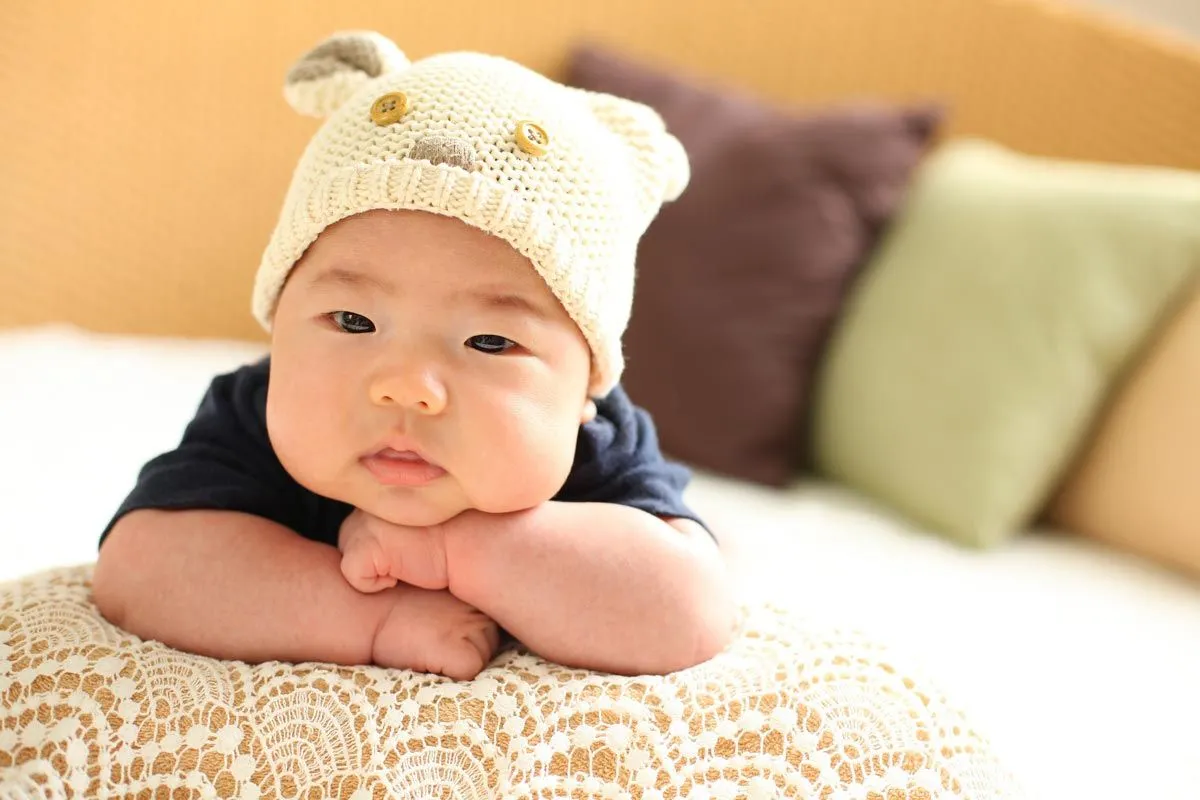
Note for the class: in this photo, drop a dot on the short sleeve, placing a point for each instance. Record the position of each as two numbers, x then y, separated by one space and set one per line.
225 462
617 460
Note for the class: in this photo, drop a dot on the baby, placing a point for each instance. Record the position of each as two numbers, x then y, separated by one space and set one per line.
437 449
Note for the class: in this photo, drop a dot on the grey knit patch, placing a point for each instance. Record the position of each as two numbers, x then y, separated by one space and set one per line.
444 150
350 53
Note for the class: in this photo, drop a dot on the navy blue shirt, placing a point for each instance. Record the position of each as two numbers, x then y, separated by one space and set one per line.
225 462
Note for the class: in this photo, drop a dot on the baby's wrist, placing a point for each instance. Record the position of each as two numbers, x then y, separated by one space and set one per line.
473 540
453 534
384 609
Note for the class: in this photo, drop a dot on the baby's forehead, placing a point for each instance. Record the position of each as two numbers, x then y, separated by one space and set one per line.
423 254
409 235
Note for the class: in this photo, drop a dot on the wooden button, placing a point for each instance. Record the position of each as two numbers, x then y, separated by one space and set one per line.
532 138
389 108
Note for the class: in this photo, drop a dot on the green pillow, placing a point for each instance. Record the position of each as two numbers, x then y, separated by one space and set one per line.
990 326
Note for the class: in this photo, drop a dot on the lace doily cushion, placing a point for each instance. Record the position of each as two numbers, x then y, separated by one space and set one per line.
788 710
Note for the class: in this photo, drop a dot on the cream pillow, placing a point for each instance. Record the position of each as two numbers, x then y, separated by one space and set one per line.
788 710
1138 484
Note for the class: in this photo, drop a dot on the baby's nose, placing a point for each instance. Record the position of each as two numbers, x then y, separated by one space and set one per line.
445 150
417 390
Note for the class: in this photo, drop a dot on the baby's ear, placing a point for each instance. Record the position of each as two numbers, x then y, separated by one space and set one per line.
327 75
658 157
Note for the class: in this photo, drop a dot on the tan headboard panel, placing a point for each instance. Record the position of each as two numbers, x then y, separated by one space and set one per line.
145 145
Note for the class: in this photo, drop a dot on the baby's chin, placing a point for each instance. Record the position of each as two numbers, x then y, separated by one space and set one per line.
417 515
426 506
413 518
427 511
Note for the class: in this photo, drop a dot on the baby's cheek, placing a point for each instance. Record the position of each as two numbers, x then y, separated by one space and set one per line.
290 449
533 462
297 441
551 460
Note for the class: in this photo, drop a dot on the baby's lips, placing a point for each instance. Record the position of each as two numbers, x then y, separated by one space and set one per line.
400 451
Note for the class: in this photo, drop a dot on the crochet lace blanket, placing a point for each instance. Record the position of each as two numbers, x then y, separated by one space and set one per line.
788 710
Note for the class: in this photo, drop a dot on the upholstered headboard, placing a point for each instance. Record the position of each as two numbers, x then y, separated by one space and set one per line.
145 146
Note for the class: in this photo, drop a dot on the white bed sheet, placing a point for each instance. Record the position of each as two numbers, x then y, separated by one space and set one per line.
1081 665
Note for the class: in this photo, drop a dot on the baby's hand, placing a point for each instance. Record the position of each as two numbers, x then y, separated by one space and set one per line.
434 631
377 554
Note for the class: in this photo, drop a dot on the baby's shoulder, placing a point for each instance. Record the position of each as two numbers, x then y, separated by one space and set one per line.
621 430
618 460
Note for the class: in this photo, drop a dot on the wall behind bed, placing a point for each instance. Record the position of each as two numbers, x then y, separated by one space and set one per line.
145 146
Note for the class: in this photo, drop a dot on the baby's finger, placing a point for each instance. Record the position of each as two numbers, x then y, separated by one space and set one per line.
378 584
492 631
462 662
479 640
362 574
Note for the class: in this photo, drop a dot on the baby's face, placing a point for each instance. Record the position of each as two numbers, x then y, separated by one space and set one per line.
421 367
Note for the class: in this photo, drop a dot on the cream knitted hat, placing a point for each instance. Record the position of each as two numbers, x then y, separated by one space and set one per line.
569 178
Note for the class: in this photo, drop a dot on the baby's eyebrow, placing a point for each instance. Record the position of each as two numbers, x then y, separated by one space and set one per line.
356 280
505 300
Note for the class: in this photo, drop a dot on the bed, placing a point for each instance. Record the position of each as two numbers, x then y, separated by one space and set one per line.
1076 662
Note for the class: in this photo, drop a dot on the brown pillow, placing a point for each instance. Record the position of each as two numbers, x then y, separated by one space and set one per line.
740 279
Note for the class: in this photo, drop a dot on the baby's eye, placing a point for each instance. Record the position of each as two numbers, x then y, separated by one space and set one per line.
490 343
349 322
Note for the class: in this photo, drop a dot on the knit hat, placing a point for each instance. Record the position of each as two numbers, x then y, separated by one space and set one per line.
569 178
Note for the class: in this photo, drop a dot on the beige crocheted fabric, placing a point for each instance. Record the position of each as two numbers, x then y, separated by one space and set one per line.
789 710
569 178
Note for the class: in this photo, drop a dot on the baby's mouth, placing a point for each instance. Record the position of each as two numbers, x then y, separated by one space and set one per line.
401 467
399 455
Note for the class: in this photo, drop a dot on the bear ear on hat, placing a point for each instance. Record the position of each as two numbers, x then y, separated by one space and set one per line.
658 157
326 76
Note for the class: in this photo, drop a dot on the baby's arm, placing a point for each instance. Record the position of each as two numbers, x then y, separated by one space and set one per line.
232 585
595 585
237 586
